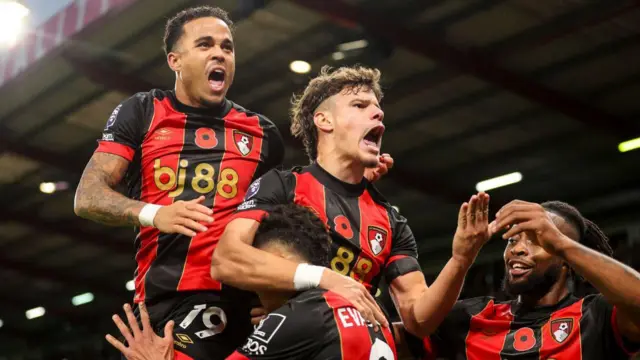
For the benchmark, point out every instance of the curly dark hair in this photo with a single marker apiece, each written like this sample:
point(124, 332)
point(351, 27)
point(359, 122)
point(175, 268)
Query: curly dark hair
point(590, 234)
point(298, 228)
point(175, 26)
point(322, 87)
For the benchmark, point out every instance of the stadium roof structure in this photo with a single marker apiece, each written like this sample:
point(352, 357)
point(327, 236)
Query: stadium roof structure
point(474, 89)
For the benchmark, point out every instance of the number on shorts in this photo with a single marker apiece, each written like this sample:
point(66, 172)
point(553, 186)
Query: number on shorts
point(212, 329)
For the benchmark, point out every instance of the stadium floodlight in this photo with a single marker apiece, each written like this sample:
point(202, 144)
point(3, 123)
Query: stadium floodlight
point(1, 323)
point(353, 45)
point(499, 181)
point(130, 285)
point(48, 187)
point(337, 56)
point(82, 299)
point(300, 66)
point(35, 313)
point(12, 18)
point(629, 145)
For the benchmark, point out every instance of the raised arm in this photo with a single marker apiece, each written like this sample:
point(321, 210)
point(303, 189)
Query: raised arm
point(617, 282)
point(96, 198)
point(422, 308)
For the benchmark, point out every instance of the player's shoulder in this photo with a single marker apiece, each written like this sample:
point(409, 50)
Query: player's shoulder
point(475, 305)
point(265, 122)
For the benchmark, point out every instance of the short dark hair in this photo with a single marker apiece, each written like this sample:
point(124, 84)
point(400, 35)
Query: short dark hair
point(175, 26)
point(298, 228)
point(590, 234)
point(323, 86)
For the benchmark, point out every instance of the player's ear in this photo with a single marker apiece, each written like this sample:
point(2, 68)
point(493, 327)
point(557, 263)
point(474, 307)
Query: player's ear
point(323, 120)
point(175, 61)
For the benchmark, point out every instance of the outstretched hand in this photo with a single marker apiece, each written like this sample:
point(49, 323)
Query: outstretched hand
point(473, 228)
point(143, 344)
point(385, 163)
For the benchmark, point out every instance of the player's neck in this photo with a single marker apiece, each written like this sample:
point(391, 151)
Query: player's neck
point(558, 291)
point(345, 170)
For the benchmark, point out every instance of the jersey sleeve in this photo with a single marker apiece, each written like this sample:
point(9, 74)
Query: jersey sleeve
point(124, 130)
point(289, 332)
point(614, 342)
point(264, 193)
point(404, 250)
point(275, 148)
point(441, 344)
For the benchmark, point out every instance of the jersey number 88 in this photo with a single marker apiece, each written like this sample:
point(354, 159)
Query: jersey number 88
point(202, 182)
point(341, 264)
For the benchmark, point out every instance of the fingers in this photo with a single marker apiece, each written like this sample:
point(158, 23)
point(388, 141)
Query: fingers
point(168, 330)
point(196, 216)
point(124, 330)
point(183, 230)
point(258, 311)
point(133, 323)
point(472, 209)
point(117, 344)
point(190, 224)
point(144, 317)
point(376, 311)
point(515, 230)
point(199, 200)
point(192, 206)
point(515, 217)
point(387, 160)
point(483, 208)
point(462, 215)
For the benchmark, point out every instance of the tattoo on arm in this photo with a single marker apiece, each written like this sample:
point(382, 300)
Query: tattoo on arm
point(96, 198)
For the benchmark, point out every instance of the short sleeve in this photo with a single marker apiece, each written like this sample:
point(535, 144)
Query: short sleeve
point(264, 193)
point(275, 148)
point(404, 250)
point(605, 315)
point(442, 343)
point(124, 130)
point(291, 332)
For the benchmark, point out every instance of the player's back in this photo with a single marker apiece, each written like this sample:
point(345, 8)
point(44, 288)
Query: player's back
point(317, 324)
point(178, 152)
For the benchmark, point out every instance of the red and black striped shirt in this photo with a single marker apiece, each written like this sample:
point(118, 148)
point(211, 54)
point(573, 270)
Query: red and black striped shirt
point(178, 152)
point(370, 238)
point(317, 324)
point(483, 329)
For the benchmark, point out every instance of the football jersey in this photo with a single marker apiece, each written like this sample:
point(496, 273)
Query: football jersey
point(317, 324)
point(370, 238)
point(178, 152)
point(481, 328)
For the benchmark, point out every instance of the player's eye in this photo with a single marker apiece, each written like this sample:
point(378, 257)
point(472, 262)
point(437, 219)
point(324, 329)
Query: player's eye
point(511, 241)
point(360, 105)
point(203, 45)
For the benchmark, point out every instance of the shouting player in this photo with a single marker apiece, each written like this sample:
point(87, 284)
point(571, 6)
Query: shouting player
point(549, 246)
point(314, 324)
point(187, 157)
point(340, 121)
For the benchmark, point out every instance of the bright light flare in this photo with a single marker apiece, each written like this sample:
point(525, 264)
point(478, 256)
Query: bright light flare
point(82, 299)
point(499, 181)
point(48, 187)
point(300, 67)
point(130, 285)
point(629, 145)
point(12, 22)
point(35, 313)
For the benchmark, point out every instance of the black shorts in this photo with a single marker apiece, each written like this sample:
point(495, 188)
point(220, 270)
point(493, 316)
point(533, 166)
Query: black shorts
point(208, 325)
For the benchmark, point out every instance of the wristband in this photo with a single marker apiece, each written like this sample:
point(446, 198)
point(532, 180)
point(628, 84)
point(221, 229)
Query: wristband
point(307, 276)
point(148, 213)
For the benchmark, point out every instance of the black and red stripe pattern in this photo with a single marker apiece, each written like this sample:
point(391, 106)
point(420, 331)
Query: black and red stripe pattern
point(178, 153)
point(574, 328)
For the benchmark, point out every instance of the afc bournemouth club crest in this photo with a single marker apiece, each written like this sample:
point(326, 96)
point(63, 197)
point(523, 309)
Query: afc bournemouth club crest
point(244, 142)
point(377, 239)
point(561, 329)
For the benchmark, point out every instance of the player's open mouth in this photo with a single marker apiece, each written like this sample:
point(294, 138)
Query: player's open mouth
point(216, 79)
point(373, 137)
point(517, 268)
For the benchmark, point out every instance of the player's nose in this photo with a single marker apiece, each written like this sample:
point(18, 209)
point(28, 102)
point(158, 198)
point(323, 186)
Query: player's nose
point(377, 114)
